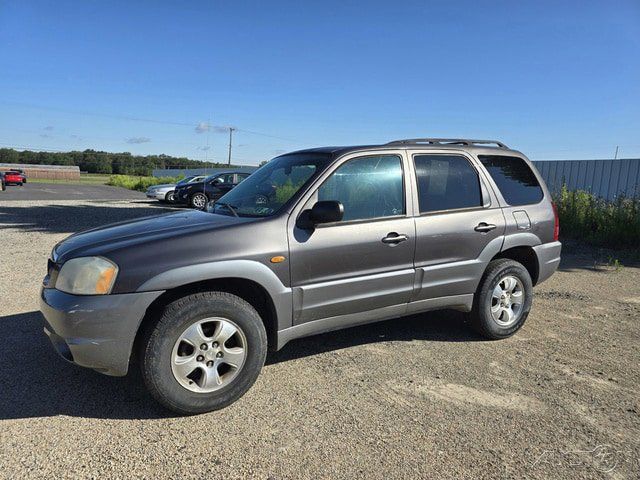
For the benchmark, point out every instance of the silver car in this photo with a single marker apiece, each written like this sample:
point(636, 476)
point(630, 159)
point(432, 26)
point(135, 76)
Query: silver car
point(164, 192)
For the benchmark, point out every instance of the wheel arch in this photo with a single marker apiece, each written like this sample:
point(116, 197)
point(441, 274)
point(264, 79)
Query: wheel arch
point(250, 280)
point(525, 255)
point(250, 291)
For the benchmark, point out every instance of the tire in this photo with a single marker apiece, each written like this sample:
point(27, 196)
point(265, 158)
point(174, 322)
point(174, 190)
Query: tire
point(187, 394)
point(198, 201)
point(169, 197)
point(20, 184)
point(497, 294)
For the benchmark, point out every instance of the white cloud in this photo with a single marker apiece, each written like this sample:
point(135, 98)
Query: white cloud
point(135, 140)
point(203, 127)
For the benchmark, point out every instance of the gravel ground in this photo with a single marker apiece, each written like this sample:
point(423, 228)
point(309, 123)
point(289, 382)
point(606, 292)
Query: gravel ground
point(420, 397)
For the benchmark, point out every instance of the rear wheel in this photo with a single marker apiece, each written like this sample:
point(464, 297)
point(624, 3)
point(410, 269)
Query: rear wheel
point(169, 197)
point(198, 201)
point(503, 299)
point(204, 353)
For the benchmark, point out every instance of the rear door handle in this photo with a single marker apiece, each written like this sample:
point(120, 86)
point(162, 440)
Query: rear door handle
point(484, 227)
point(394, 238)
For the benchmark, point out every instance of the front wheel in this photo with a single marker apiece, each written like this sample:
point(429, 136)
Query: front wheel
point(204, 353)
point(198, 201)
point(503, 299)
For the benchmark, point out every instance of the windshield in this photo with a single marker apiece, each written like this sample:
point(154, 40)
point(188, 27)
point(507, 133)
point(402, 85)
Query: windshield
point(185, 180)
point(265, 191)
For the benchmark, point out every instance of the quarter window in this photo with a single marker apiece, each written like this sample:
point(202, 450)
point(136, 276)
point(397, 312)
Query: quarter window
point(368, 187)
point(446, 182)
point(517, 183)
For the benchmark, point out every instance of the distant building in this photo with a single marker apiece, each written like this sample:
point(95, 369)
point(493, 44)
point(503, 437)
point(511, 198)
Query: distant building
point(50, 172)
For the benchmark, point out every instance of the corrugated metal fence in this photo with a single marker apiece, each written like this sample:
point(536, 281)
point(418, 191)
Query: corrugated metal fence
point(605, 178)
point(174, 172)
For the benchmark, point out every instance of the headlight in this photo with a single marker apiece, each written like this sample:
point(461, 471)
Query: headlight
point(87, 276)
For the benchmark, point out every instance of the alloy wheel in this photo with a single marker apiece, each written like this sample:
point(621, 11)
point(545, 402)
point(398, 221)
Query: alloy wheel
point(209, 354)
point(507, 300)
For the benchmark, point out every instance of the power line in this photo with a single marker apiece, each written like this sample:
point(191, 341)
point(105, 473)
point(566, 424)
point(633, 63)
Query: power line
point(134, 118)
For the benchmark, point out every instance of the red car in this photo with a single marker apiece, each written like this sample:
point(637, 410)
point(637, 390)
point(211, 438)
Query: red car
point(12, 177)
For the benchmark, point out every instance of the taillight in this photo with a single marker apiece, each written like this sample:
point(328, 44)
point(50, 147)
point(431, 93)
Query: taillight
point(556, 225)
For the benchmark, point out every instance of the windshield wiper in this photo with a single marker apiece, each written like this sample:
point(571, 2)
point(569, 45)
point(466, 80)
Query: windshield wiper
point(231, 208)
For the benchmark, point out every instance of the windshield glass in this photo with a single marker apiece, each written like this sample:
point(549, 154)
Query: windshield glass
point(185, 180)
point(265, 191)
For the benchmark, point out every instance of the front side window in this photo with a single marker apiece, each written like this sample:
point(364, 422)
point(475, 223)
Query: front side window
point(446, 182)
point(226, 178)
point(367, 187)
point(517, 183)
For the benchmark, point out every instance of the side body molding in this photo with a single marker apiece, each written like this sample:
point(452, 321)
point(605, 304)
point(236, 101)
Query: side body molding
point(246, 269)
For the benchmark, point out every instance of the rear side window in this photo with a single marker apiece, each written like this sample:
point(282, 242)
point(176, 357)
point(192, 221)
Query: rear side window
point(516, 181)
point(446, 182)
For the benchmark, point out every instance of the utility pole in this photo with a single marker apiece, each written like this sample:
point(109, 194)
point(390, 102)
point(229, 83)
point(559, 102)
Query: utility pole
point(616, 156)
point(231, 129)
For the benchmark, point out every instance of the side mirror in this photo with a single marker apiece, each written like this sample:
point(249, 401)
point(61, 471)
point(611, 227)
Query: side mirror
point(322, 212)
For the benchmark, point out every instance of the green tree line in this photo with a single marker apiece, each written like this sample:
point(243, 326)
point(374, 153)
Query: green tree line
point(93, 161)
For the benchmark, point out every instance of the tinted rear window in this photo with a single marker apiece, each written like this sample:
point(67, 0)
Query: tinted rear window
point(517, 183)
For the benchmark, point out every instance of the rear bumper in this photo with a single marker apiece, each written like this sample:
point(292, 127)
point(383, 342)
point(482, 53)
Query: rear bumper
point(94, 331)
point(548, 255)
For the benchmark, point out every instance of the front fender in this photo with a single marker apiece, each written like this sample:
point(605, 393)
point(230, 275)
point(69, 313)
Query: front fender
point(244, 269)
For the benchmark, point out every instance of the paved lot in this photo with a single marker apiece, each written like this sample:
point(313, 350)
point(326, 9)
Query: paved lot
point(421, 397)
point(61, 191)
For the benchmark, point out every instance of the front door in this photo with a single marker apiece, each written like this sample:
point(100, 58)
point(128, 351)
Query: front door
point(363, 263)
point(459, 229)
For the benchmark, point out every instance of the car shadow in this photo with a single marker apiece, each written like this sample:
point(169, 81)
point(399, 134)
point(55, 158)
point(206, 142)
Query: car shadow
point(436, 326)
point(35, 382)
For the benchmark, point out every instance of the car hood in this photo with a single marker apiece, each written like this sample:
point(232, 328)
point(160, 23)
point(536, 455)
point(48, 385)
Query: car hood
point(163, 185)
point(103, 240)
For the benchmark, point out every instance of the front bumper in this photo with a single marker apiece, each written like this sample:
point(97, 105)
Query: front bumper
point(548, 255)
point(156, 195)
point(94, 331)
point(181, 196)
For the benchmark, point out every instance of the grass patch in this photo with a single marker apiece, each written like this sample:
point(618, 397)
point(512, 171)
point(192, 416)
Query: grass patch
point(585, 217)
point(139, 183)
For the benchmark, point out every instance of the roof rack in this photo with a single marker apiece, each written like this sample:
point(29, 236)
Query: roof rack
point(446, 141)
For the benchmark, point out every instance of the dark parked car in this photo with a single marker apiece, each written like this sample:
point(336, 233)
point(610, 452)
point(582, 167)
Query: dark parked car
point(313, 241)
point(14, 178)
point(199, 194)
point(3, 185)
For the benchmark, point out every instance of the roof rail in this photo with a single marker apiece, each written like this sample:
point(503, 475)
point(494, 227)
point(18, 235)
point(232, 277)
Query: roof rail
point(446, 141)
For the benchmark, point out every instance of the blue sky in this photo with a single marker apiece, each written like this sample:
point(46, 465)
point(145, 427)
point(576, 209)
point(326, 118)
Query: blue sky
point(553, 79)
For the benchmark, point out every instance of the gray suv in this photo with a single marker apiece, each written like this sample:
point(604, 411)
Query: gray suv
point(313, 241)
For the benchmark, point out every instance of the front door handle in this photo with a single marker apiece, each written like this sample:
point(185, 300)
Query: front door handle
point(484, 227)
point(394, 238)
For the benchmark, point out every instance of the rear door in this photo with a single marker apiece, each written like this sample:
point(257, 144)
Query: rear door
point(459, 227)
